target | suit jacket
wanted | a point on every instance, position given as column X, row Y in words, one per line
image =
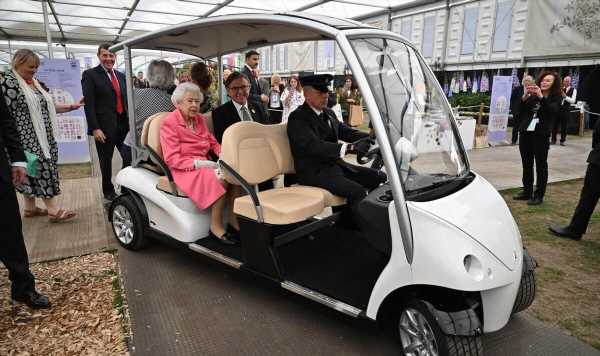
column 547, row 113
column 515, row 103
column 9, row 144
column 314, row 142
column 226, row 115
column 101, row 100
column 255, row 89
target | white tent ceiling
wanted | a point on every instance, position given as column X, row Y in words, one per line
column 92, row 22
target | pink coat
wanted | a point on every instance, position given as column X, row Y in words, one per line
column 180, row 146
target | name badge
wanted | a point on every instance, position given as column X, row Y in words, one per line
column 532, row 124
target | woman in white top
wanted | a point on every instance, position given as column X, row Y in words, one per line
column 292, row 97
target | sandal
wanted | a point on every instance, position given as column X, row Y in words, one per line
column 35, row 212
column 61, row 215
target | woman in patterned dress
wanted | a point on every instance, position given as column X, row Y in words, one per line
column 149, row 101
column 292, row 97
column 34, row 112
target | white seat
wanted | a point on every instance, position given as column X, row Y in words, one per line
column 260, row 152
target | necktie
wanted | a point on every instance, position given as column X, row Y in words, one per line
column 245, row 114
column 115, row 84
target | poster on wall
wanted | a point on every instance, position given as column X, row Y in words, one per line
column 499, row 107
column 63, row 79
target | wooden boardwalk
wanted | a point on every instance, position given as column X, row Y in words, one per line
column 88, row 233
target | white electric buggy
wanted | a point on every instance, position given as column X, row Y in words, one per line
column 435, row 249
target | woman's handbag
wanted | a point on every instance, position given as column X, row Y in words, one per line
column 33, row 164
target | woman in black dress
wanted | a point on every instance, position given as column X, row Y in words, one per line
column 34, row 112
column 540, row 106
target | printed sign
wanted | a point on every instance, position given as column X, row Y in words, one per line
column 63, row 79
column 499, row 107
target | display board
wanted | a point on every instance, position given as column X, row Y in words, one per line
column 562, row 27
column 63, row 79
column 499, row 107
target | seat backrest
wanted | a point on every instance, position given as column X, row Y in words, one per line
column 257, row 152
column 151, row 132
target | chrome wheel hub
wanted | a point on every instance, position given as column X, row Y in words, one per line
column 416, row 334
column 122, row 224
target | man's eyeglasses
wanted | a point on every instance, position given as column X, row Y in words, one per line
column 240, row 88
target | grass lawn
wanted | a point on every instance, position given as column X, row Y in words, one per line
column 568, row 276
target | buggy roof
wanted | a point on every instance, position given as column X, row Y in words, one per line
column 214, row 36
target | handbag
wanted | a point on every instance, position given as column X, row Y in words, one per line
column 33, row 164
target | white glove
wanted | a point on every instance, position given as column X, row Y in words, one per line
column 200, row 163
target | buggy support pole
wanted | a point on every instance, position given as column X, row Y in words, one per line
column 130, row 105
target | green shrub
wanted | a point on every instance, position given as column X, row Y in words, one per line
column 469, row 99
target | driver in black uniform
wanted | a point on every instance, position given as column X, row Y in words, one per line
column 314, row 134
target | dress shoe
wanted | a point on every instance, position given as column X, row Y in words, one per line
column 34, row 300
column 564, row 232
column 562, row 143
column 522, row 196
column 226, row 238
column 535, row 201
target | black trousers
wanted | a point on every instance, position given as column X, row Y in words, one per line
column 561, row 123
column 534, row 149
column 515, row 131
column 353, row 184
column 106, row 150
column 13, row 253
column 587, row 201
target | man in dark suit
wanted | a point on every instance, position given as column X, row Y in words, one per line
column 106, row 113
column 590, row 193
column 314, row 134
column 239, row 108
column 569, row 98
column 13, row 253
column 250, row 69
column 515, row 105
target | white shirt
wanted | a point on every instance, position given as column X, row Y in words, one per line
column 344, row 145
column 108, row 73
column 570, row 99
column 238, row 107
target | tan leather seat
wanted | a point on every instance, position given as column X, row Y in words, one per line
column 260, row 152
column 283, row 205
column 163, row 184
column 151, row 137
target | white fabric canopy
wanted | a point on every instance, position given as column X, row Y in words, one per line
column 92, row 22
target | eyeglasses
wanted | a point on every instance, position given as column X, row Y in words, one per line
column 240, row 88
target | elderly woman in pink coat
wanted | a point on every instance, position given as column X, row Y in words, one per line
column 186, row 143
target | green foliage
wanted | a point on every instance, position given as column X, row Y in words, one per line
column 469, row 99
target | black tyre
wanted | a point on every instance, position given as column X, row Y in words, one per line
column 421, row 335
column 526, row 293
column 127, row 223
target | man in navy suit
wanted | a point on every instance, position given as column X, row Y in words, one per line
column 239, row 108
column 13, row 253
column 250, row 69
column 106, row 112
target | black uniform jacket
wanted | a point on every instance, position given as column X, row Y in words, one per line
column 101, row 100
column 594, row 157
column 547, row 113
column 9, row 144
column 314, row 142
column 226, row 115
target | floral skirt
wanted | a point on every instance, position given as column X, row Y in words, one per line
column 46, row 184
